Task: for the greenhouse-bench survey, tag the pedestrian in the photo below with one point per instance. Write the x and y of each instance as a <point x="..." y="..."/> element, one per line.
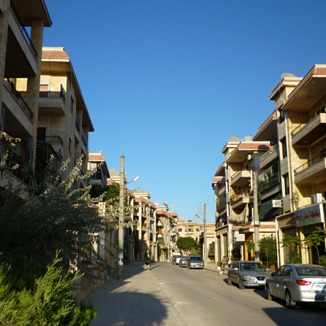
<point x="148" y="262"/>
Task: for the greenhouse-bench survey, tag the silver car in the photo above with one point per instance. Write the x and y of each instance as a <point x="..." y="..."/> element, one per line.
<point x="297" y="283"/>
<point x="247" y="274"/>
<point x="195" y="262"/>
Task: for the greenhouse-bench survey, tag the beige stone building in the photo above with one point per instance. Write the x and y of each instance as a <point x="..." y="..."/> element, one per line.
<point x="273" y="184"/>
<point x="301" y="105"/>
<point x="64" y="122"/>
<point x="21" y="38"/>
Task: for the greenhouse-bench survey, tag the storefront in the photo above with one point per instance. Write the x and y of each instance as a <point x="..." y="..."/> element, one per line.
<point x="300" y="224"/>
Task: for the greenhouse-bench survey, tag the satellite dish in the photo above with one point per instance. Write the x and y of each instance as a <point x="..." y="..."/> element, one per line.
<point x="287" y="74"/>
<point x="248" y="138"/>
<point x="234" y="139"/>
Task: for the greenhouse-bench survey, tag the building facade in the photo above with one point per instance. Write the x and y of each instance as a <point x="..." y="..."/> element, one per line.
<point x="21" y="39"/>
<point x="273" y="184"/>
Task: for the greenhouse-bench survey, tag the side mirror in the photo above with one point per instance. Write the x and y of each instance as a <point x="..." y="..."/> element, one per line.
<point x="236" y="268"/>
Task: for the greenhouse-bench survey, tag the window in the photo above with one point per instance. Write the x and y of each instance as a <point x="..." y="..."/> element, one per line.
<point x="286" y="184"/>
<point x="283" y="148"/>
<point x="72" y="106"/>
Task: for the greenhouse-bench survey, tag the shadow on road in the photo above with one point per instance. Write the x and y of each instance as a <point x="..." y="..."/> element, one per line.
<point x="131" y="300"/>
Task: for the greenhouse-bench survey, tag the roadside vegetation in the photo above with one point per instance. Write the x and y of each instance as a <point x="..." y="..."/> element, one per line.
<point x="44" y="243"/>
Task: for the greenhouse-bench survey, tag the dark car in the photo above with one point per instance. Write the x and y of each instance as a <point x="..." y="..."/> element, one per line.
<point x="247" y="274"/>
<point x="297" y="283"/>
<point x="195" y="262"/>
<point x="183" y="262"/>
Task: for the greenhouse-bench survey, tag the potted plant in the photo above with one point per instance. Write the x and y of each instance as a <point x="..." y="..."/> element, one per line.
<point x="219" y="264"/>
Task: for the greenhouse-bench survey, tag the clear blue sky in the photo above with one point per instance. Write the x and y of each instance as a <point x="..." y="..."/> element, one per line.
<point x="167" y="82"/>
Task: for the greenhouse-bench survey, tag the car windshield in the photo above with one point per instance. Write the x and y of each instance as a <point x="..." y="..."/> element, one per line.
<point x="311" y="271"/>
<point x="251" y="267"/>
<point x="195" y="258"/>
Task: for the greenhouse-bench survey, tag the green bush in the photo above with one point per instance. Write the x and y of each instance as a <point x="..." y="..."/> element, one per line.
<point x="50" y="302"/>
<point x="323" y="260"/>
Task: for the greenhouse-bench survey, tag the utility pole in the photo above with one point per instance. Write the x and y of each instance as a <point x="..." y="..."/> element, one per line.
<point x="121" y="215"/>
<point x="205" y="235"/>
<point x="256" y="215"/>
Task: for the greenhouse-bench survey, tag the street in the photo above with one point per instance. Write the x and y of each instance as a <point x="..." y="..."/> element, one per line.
<point x="170" y="295"/>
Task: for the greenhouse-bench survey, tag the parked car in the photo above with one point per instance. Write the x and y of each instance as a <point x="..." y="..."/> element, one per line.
<point x="195" y="262"/>
<point x="176" y="259"/>
<point x="297" y="283"/>
<point x="183" y="261"/>
<point x="247" y="274"/>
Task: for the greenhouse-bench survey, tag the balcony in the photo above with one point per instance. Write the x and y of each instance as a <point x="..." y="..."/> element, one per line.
<point x="52" y="102"/>
<point x="267" y="212"/>
<point x="221" y="202"/>
<point x="271" y="182"/>
<point x="240" y="198"/>
<point x="306" y="134"/>
<point x="313" y="171"/>
<point x="19" y="116"/>
<point x="240" y="178"/>
<point x="19" y="47"/>
<point x="267" y="158"/>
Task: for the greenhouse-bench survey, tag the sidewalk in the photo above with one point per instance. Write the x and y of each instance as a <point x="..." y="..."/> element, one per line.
<point x="213" y="268"/>
<point x="136" y="299"/>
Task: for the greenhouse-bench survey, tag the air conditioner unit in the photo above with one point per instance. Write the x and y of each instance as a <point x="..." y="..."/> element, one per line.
<point x="317" y="198"/>
<point x="277" y="203"/>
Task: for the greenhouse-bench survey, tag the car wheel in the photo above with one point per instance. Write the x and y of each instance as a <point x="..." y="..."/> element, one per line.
<point x="229" y="281"/>
<point x="289" y="303"/>
<point x="269" y="293"/>
<point x="241" y="285"/>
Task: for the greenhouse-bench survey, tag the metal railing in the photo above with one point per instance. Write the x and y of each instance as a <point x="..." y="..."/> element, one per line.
<point x="309" y="163"/>
<point x="269" y="183"/>
<point x="19" y="97"/>
<point x="301" y="126"/>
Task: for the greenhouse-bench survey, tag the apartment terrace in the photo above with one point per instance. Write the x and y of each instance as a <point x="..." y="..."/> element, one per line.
<point x="315" y="128"/>
<point x="312" y="171"/>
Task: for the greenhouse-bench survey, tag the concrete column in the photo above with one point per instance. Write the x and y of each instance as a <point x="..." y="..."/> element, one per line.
<point x="33" y="84"/>
<point x="4" y="17"/>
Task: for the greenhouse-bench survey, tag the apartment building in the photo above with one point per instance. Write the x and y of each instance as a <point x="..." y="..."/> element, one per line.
<point x="234" y="192"/>
<point x="301" y="105"/>
<point x="21" y="37"/>
<point x="274" y="184"/>
<point x="64" y="122"/>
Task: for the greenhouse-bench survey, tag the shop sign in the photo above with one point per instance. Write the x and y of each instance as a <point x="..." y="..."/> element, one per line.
<point x="309" y="215"/>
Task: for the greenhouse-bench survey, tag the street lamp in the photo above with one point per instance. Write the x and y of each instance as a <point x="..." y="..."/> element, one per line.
<point x="121" y="212"/>
<point x="205" y="235"/>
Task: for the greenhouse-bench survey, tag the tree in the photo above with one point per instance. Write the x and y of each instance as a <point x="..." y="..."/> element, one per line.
<point x="250" y="247"/>
<point x="187" y="244"/>
<point x="59" y="216"/>
<point x="268" y="250"/>
<point x="314" y="240"/>
<point x="293" y="242"/>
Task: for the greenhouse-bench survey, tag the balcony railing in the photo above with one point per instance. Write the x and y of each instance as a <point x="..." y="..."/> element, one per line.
<point x="303" y="125"/>
<point x="221" y="202"/>
<point x="24" y="30"/>
<point x="19" y="97"/>
<point x="310" y="163"/>
<point x="267" y="211"/>
<point x="269" y="183"/>
<point x="239" y="195"/>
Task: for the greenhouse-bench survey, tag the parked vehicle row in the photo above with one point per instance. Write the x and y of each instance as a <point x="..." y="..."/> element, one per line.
<point x="293" y="283"/>
<point x="191" y="262"/>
